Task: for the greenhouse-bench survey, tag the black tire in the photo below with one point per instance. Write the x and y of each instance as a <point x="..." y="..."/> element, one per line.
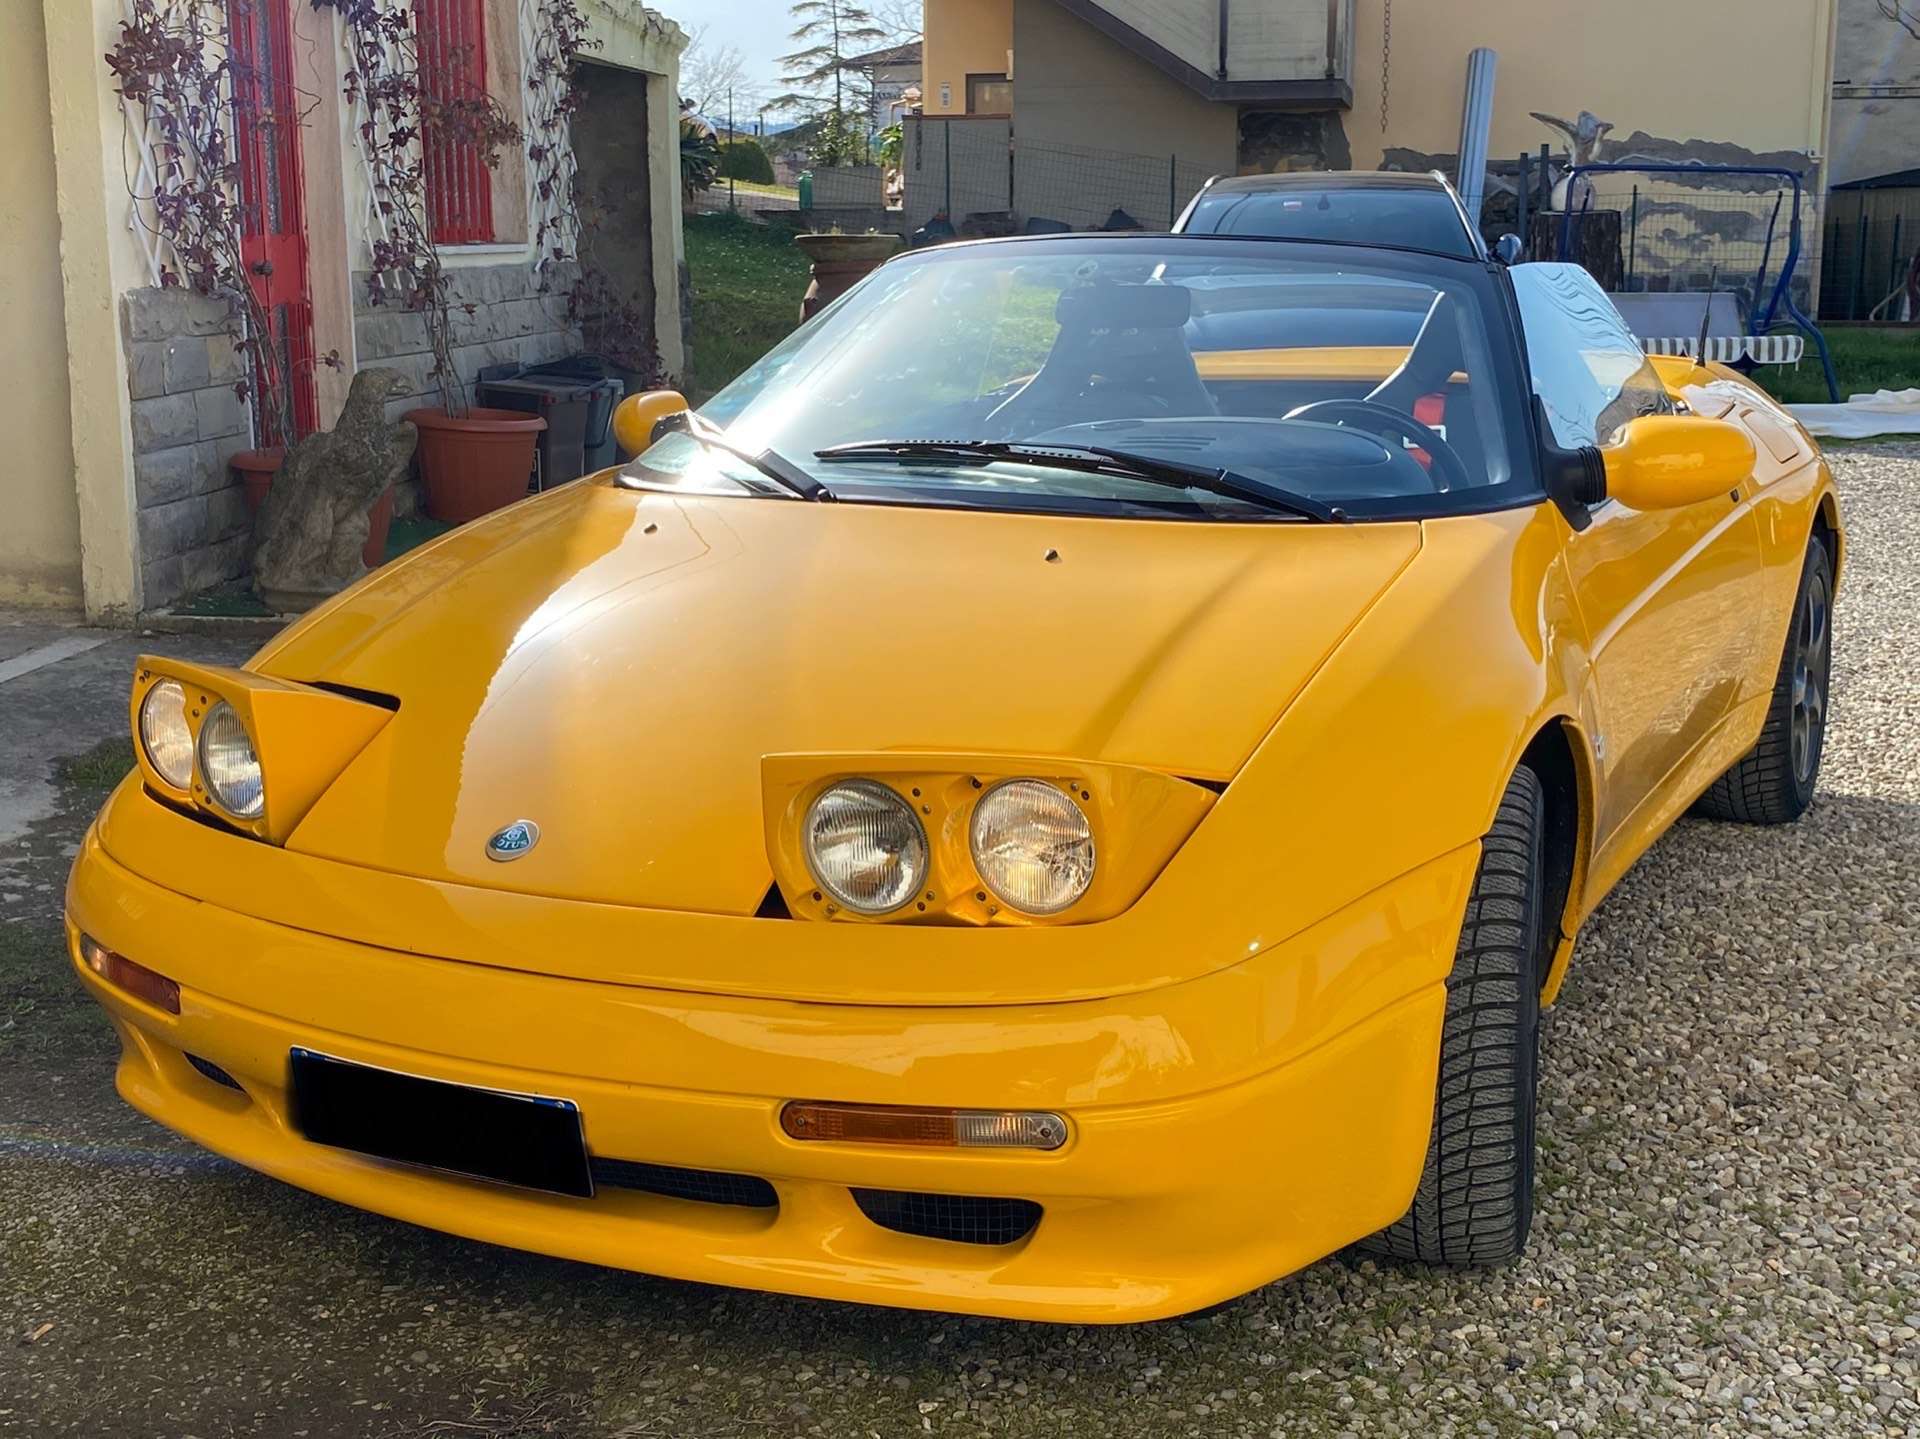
<point x="1474" y="1205"/>
<point x="1773" y="782"/>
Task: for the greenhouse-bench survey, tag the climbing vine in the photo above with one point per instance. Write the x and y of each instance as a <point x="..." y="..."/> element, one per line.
<point x="174" y="69"/>
<point x="396" y="114"/>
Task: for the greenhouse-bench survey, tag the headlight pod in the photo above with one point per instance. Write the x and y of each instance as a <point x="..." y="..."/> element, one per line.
<point x="229" y="765"/>
<point x="164" y="734"/>
<point x="1032" y="845"/>
<point x="866" y="847"/>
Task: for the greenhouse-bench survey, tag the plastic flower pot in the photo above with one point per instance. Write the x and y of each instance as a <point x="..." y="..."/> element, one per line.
<point x="475" y="463"/>
<point x="256" y="469"/>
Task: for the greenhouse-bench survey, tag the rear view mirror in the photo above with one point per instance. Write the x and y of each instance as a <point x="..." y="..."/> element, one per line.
<point x="637" y="417"/>
<point x="1666" y="462"/>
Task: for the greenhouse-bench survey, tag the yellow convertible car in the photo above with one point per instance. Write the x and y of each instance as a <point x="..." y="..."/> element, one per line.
<point x="1061" y="793"/>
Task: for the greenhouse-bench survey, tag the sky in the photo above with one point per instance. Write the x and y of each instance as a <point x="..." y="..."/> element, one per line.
<point x="758" y="28"/>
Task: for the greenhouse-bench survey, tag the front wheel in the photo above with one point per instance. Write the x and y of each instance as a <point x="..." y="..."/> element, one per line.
<point x="1773" y="782"/>
<point x="1474" y="1205"/>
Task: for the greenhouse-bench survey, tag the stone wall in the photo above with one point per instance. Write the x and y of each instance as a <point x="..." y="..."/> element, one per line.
<point x="188" y="422"/>
<point x="511" y="322"/>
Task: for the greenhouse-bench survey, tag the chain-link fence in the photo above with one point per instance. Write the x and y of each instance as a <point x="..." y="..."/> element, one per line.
<point x="977" y="169"/>
<point x="1872" y="255"/>
<point x="1664" y="237"/>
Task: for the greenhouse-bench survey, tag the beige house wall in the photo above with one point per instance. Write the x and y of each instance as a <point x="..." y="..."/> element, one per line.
<point x="1754" y="73"/>
<point x="1076" y="88"/>
<point x="1750" y="73"/>
<point x="964" y="37"/>
<point x="1876" y="93"/>
<point x="40" y="528"/>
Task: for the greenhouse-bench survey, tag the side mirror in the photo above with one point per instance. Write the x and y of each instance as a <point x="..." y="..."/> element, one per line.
<point x="1666" y="462"/>
<point x="637" y="419"/>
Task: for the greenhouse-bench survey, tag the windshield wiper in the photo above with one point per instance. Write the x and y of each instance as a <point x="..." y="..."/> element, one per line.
<point x="771" y="463"/>
<point x="1092" y="459"/>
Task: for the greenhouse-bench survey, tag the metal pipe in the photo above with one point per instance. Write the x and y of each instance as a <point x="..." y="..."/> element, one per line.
<point x="1226" y="21"/>
<point x="1476" y="127"/>
<point x="1525" y="193"/>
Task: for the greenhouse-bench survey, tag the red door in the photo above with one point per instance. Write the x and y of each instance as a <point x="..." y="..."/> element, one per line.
<point x="273" y="232"/>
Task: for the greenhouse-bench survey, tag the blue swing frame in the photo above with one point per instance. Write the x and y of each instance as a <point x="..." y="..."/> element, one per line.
<point x="1759" y="322"/>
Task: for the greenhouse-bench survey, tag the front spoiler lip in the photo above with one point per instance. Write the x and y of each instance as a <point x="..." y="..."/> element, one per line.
<point x="1227" y="1191"/>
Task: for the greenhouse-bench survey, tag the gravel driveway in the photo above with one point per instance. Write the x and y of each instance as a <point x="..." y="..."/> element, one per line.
<point x="1726" y="1241"/>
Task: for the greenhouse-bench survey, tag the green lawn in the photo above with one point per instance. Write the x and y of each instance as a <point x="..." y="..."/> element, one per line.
<point x="1866" y="360"/>
<point x="748" y="280"/>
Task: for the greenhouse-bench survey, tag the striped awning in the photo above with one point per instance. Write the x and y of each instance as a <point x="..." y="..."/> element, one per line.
<point x="1728" y="349"/>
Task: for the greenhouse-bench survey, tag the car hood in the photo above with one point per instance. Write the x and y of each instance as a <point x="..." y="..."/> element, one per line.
<point x="613" y="666"/>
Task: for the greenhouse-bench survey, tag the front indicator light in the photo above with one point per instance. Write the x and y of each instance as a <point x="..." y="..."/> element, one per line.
<point x="866" y="847"/>
<point x="164" y="734"/>
<point x="136" y="979"/>
<point x="229" y="764"/>
<point x="1032" y="845"/>
<point x="924" y="1128"/>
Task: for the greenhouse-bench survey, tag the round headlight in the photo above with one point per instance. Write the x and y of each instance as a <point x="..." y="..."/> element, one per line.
<point x="1032" y="846"/>
<point x="164" y="733"/>
<point x="229" y="766"/>
<point x="866" y="847"/>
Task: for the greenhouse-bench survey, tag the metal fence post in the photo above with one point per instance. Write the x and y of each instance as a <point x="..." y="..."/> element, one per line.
<point x="948" y="125"/>
<point x="1894" y="276"/>
<point x="1859" y="266"/>
<point x="1633" y="237"/>
<point x="1524" y="193"/>
<point x="1173" y="192"/>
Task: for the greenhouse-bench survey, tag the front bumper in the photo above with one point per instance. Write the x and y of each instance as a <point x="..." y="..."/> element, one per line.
<point x="1194" y="1172"/>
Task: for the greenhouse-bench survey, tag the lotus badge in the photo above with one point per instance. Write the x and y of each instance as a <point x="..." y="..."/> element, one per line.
<point x="513" y="841"/>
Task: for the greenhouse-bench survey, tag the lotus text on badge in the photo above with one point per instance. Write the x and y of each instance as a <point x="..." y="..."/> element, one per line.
<point x="513" y="841"/>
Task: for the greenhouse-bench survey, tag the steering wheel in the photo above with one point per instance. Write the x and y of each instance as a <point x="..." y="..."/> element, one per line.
<point x="1448" y="471"/>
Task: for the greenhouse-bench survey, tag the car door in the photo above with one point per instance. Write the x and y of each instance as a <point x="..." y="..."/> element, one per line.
<point x="1668" y="597"/>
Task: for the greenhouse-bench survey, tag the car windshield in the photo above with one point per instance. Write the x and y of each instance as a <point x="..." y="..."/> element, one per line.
<point x="1169" y="377"/>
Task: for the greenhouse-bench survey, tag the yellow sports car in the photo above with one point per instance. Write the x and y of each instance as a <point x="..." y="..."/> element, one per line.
<point x="1061" y="793"/>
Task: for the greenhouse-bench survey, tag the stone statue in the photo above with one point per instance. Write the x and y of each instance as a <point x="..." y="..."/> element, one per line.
<point x="1583" y="148"/>
<point x="310" y="531"/>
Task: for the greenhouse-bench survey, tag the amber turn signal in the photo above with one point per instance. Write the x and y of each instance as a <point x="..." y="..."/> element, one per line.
<point x="136" y="979"/>
<point x="926" y="1128"/>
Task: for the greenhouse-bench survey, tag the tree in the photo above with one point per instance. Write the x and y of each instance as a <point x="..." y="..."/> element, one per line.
<point x="835" y="100"/>
<point x="708" y="72"/>
<point x="904" y="21"/>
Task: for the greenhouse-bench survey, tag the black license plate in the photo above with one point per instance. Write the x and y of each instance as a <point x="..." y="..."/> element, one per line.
<point x="523" y="1139"/>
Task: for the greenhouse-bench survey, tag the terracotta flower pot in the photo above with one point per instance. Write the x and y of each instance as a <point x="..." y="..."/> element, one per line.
<point x="256" y="469"/>
<point x="475" y="463"/>
<point x="840" y="262"/>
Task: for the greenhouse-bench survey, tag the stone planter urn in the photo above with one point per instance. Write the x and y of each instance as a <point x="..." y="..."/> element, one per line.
<point x="840" y="262"/>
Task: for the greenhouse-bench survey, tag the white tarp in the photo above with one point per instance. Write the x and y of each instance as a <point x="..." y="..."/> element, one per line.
<point x="1884" y="412"/>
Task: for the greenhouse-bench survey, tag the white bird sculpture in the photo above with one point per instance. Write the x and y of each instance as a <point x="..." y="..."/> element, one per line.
<point x="1584" y="136"/>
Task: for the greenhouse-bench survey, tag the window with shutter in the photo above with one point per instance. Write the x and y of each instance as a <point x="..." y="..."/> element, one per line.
<point x="453" y="72"/>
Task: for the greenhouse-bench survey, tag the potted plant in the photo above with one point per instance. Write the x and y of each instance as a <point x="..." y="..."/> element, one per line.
<point x="472" y="459"/>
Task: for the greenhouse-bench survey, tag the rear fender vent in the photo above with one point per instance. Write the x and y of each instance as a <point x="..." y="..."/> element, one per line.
<point x="958" y="1218"/>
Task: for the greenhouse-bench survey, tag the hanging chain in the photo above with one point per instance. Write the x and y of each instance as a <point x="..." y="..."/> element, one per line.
<point x="1386" y="62"/>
